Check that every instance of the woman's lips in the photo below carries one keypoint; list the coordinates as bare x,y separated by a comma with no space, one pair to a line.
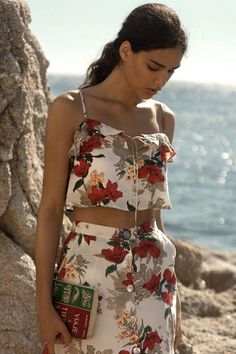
153,91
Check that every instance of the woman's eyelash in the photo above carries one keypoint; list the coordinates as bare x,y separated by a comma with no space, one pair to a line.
152,69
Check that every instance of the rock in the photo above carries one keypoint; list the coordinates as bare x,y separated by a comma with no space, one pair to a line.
188,263
18,332
24,101
185,347
208,320
218,271
200,303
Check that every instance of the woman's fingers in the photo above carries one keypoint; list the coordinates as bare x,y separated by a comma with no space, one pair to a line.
50,345
65,335
178,337
45,349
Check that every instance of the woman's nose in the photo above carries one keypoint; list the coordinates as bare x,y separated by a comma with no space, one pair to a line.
161,79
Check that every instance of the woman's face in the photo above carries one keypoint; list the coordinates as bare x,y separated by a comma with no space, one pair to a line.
147,72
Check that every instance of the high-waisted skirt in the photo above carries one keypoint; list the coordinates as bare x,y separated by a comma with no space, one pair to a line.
134,273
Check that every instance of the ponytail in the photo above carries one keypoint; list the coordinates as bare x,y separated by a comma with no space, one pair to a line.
101,68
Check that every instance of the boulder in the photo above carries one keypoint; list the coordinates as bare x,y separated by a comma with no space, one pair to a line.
218,270
18,325
188,264
24,101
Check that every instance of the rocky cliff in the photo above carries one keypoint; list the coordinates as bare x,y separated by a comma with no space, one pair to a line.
24,98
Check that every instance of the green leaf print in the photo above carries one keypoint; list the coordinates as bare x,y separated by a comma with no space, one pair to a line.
100,155
113,243
80,239
112,268
148,329
134,265
167,312
70,259
149,162
129,161
130,206
78,184
140,331
89,157
100,185
106,201
121,173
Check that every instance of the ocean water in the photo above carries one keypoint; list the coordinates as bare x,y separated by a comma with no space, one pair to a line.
202,180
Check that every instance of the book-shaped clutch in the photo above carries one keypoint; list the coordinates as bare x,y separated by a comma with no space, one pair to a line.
77,305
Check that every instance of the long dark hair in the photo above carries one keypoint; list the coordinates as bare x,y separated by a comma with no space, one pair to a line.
147,27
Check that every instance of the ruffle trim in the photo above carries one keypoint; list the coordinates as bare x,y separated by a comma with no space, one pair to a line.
157,139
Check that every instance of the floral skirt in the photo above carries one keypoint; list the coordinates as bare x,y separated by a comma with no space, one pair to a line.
134,272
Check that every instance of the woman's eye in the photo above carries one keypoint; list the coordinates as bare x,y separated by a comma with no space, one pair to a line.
153,69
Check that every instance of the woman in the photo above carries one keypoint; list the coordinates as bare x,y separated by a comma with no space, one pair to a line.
120,139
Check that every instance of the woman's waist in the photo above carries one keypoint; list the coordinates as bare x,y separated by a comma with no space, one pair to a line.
111,216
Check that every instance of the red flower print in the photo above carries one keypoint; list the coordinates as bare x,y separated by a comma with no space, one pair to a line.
151,339
90,144
116,255
62,273
112,192
152,173
45,349
97,195
123,352
167,297
117,239
91,124
166,153
129,280
146,246
89,238
153,283
72,235
146,227
81,169
169,277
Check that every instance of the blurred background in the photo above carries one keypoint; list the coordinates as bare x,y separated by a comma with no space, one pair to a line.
202,93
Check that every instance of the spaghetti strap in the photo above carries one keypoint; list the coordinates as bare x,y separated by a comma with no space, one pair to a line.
83,105
163,119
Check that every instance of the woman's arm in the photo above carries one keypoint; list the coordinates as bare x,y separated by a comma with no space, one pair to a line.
61,122
178,332
59,135
168,126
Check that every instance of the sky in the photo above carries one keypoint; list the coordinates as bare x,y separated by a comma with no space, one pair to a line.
72,34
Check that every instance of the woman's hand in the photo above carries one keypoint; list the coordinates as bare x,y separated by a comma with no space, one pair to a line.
52,328
178,334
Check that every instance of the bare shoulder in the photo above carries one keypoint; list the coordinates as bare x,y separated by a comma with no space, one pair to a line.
168,119
66,110
63,118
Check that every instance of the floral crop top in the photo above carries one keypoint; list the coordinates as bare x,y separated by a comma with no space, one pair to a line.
112,169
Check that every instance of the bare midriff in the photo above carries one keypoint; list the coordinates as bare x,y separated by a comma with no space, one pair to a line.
111,217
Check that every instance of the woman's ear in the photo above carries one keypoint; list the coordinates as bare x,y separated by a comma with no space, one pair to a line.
125,50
